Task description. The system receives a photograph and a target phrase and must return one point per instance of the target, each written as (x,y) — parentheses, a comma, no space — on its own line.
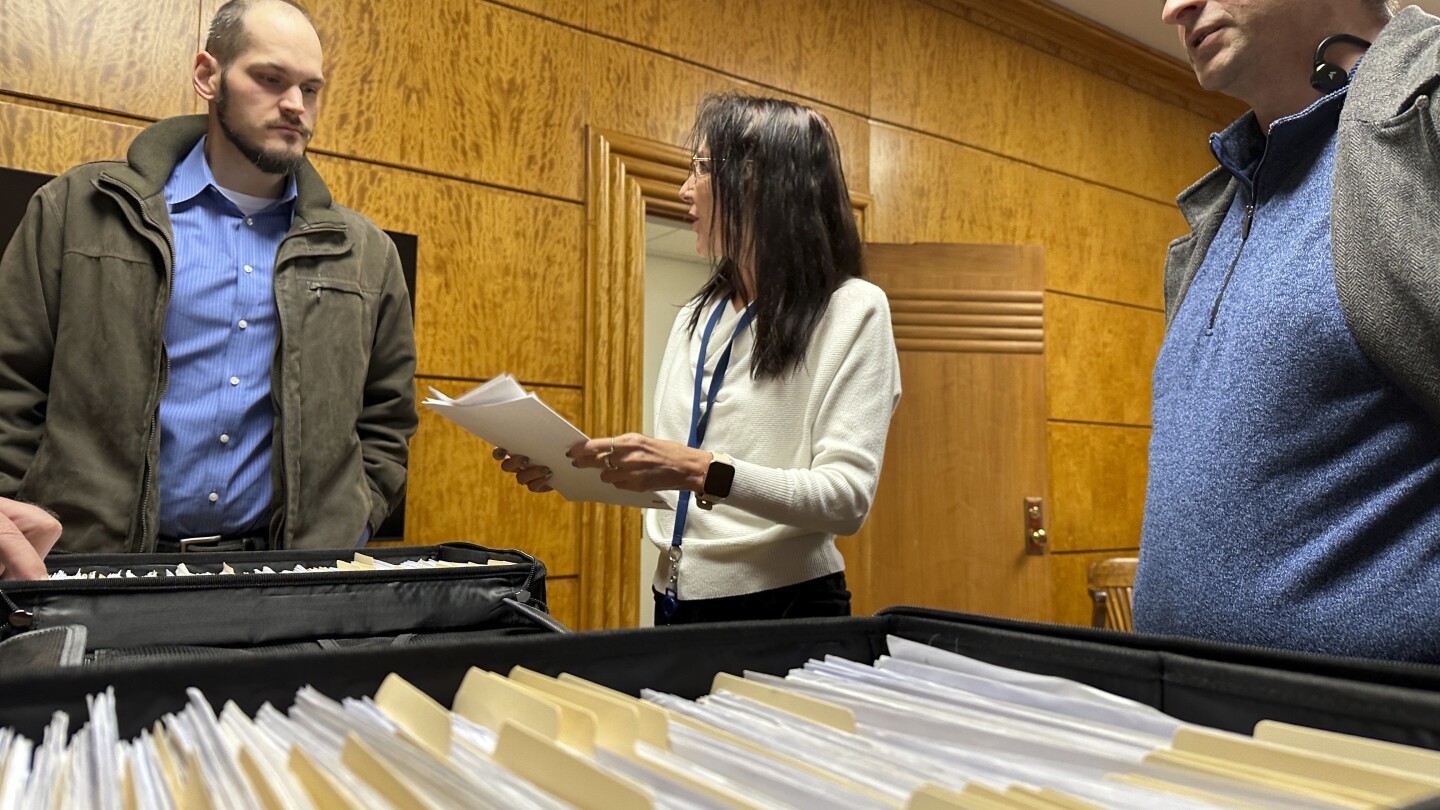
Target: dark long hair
(779,195)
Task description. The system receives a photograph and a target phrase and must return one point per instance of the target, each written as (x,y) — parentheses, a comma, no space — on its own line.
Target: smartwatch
(717,481)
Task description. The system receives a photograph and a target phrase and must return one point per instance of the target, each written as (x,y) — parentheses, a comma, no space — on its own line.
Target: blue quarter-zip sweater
(1294,491)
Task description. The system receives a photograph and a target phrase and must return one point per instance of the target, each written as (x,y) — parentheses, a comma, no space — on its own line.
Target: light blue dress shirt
(216,415)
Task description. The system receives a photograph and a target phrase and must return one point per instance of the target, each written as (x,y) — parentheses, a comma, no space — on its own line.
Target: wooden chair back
(1112,584)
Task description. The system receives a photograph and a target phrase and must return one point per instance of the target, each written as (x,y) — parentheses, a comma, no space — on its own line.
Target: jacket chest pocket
(336,335)
(337,305)
(323,287)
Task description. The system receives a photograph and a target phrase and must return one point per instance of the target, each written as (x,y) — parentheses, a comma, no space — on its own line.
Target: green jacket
(84,287)
(1385,210)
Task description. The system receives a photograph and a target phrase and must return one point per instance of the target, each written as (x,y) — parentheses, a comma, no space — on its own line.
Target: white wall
(673,273)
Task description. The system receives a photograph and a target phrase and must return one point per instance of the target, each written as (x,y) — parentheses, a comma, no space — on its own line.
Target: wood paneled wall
(463,121)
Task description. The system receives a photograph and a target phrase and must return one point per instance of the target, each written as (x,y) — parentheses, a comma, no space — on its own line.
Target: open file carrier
(1227,687)
(204,604)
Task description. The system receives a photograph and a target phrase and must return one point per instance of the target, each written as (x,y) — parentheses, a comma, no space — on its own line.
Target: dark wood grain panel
(462,88)
(1053,29)
(50,142)
(814,48)
(131,58)
(1099,357)
(642,93)
(570,12)
(1011,99)
(1098,242)
(1097,486)
(500,276)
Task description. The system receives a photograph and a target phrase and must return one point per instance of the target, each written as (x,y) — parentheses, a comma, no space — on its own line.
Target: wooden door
(967,445)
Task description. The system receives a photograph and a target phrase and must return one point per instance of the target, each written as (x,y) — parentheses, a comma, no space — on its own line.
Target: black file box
(1225,686)
(171,616)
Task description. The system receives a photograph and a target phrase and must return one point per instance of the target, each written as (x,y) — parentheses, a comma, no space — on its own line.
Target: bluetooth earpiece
(1328,78)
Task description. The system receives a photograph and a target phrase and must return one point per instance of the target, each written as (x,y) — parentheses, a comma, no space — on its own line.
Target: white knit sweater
(807,447)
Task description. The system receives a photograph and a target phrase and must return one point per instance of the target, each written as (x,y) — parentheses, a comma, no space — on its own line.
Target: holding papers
(505,415)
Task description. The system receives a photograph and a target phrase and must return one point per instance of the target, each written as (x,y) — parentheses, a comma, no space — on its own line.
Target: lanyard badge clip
(671,601)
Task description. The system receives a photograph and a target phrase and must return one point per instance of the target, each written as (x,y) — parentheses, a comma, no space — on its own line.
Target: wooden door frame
(626,177)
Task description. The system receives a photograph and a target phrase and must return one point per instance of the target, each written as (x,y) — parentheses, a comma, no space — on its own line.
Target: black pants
(824,596)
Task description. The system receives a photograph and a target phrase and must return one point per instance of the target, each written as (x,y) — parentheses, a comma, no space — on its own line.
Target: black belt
(216,542)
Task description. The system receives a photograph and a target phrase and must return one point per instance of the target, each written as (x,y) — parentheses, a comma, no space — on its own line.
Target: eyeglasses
(700,166)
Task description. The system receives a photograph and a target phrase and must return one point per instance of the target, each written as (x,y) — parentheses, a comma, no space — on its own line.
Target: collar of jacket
(157,150)
(1390,78)
(1208,198)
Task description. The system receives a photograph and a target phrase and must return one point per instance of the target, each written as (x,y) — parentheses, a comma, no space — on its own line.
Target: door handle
(1037,542)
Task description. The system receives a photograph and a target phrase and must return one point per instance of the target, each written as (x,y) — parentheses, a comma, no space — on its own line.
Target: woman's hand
(27,533)
(636,462)
(536,478)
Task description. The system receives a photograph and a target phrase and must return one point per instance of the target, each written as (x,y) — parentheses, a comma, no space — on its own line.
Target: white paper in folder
(506,415)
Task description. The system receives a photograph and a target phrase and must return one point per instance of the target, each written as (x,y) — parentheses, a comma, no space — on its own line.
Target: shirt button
(214,496)
(249,269)
(244,324)
(234,380)
(249,221)
(224,437)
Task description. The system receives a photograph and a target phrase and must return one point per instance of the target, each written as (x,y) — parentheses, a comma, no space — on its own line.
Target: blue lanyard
(698,423)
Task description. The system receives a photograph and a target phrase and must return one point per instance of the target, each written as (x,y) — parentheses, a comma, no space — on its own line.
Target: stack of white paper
(921,729)
(358,562)
(506,415)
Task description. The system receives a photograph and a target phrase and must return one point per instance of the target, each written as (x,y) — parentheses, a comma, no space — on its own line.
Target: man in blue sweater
(1294,492)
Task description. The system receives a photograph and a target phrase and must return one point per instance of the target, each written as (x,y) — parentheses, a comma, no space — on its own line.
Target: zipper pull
(20,619)
(1249,218)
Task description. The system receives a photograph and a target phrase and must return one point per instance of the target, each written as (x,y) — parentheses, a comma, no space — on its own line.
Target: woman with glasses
(779,379)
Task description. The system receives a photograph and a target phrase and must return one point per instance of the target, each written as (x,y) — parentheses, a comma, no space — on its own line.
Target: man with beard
(1294,480)
(171,321)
